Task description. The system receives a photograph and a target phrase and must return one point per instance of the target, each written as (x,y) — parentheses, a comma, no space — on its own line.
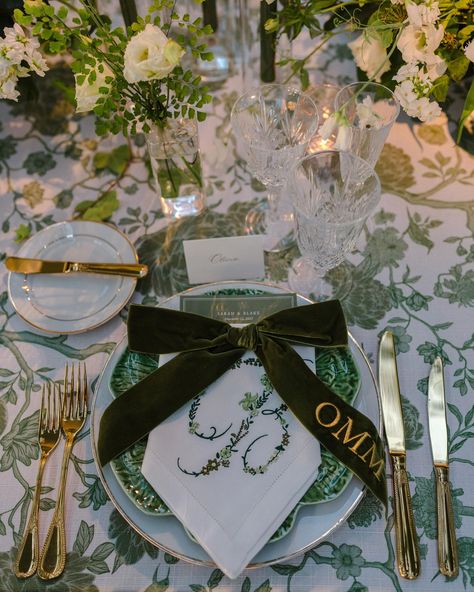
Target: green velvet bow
(209,347)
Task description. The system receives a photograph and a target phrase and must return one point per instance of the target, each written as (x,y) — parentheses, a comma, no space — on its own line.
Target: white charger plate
(313,523)
(57,303)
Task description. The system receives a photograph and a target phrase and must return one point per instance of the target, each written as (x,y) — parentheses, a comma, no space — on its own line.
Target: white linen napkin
(233,463)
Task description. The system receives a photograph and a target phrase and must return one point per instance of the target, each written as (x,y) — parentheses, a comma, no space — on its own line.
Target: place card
(229,258)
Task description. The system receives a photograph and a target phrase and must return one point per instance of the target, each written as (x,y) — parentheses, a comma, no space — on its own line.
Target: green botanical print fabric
(412,272)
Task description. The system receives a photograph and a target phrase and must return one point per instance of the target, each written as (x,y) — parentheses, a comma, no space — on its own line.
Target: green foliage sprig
(98,52)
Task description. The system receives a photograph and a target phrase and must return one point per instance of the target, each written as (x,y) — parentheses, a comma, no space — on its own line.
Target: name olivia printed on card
(229,258)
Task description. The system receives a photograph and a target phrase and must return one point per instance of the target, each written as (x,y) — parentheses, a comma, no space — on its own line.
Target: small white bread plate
(74,302)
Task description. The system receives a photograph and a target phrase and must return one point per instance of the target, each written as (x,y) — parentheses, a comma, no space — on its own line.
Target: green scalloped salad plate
(335,367)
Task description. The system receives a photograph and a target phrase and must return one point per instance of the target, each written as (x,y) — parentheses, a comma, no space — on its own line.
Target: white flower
(8,88)
(424,109)
(150,55)
(405,94)
(87,94)
(469,51)
(435,67)
(410,70)
(328,128)
(414,103)
(370,55)
(344,138)
(423,74)
(367,116)
(19,56)
(422,14)
(418,44)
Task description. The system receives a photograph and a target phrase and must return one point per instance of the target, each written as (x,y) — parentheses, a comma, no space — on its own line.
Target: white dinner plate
(313,523)
(76,302)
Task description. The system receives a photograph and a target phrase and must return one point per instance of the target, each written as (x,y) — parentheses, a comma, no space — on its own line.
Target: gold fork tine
(49,433)
(53,555)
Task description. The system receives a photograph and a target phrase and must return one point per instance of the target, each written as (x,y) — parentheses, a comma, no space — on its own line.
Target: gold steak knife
(447,549)
(408,555)
(26,265)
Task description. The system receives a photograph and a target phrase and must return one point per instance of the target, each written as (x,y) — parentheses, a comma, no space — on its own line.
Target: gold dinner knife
(27,265)
(447,549)
(408,555)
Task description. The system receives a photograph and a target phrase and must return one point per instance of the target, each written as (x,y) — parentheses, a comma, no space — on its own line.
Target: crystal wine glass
(333,194)
(273,125)
(367,110)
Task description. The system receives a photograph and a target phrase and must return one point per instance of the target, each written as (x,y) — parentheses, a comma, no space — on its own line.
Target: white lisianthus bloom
(422,14)
(435,67)
(370,55)
(469,51)
(150,55)
(418,44)
(87,94)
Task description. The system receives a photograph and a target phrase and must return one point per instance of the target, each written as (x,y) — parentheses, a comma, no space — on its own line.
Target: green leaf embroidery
(84,538)
(3,416)
(102,551)
(215,578)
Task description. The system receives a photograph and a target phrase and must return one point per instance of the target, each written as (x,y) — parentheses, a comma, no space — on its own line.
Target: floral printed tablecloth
(413,273)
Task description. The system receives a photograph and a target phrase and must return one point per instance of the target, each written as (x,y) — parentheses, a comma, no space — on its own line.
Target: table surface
(413,273)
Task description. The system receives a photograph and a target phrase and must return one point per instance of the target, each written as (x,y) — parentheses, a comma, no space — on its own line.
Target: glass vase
(176,164)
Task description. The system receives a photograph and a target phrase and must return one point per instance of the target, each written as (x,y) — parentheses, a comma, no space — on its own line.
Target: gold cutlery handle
(53,554)
(27,558)
(447,547)
(26,561)
(136,270)
(408,555)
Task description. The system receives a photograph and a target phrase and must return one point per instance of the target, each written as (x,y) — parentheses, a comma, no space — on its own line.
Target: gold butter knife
(27,265)
(408,555)
(447,549)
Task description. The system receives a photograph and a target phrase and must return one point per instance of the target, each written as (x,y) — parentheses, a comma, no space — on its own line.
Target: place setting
(237,424)
(237,269)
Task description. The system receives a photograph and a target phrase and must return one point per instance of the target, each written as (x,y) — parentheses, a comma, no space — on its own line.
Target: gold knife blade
(447,548)
(408,555)
(28,265)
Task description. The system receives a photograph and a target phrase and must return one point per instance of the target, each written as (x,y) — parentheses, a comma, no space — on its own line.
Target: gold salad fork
(53,554)
(49,432)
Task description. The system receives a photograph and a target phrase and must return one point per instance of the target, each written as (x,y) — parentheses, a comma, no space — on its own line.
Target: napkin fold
(238,464)
(209,348)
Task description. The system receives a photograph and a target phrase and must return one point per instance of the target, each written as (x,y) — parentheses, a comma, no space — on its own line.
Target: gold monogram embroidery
(329,415)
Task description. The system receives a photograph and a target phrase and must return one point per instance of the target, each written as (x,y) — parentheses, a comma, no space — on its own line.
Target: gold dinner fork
(49,431)
(53,554)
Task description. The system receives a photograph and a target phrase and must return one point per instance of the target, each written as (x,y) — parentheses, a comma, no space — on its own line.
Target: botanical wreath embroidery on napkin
(253,404)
